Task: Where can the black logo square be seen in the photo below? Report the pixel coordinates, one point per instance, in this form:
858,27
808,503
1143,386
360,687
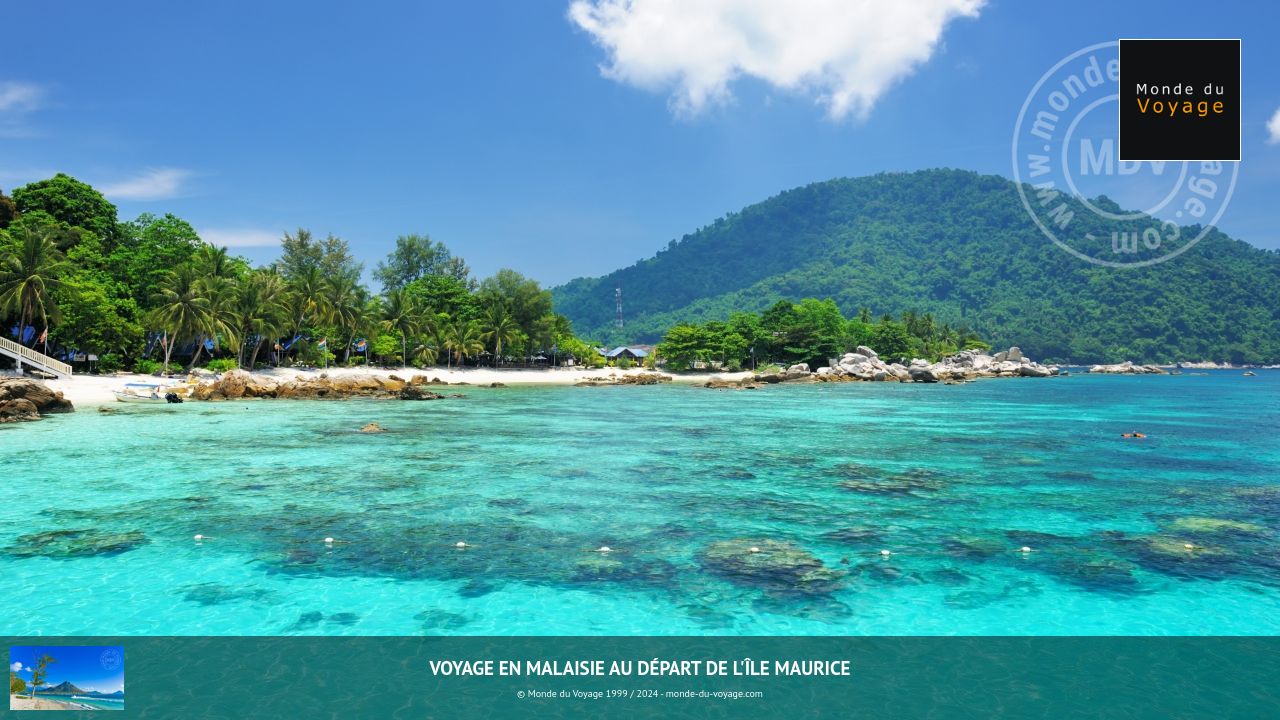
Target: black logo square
1180,100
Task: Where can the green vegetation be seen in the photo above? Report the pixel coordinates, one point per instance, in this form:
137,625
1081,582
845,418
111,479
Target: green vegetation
40,672
147,293
16,684
959,247
810,331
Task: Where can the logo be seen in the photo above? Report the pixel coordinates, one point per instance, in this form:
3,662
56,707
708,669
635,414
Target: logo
1078,191
111,658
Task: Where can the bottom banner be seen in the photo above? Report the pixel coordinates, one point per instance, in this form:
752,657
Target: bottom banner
480,677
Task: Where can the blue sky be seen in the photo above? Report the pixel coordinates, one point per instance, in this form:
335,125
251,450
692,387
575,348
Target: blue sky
82,665
559,141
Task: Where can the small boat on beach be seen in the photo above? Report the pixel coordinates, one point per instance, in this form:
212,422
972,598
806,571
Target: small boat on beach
146,393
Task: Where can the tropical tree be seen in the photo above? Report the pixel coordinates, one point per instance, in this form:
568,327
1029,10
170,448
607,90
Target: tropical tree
261,312
28,278
40,672
462,340
345,308
182,308
500,328
402,315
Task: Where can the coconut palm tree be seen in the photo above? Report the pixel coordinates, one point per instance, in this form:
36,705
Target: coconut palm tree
261,311
183,309
345,305
462,339
500,329
220,323
402,315
28,277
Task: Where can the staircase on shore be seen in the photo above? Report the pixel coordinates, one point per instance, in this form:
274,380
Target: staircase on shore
26,356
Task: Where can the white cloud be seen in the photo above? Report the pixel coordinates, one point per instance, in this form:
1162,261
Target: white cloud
154,184
19,96
15,667
1273,128
241,237
846,53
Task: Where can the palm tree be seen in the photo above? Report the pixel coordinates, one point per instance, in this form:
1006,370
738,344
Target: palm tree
28,277
402,315
220,324
183,309
501,329
309,297
260,311
345,305
462,338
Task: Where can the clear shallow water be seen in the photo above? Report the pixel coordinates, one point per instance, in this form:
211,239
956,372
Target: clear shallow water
97,512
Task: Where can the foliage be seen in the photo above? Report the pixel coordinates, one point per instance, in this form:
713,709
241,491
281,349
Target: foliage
110,363
959,247
145,366
417,257
222,365
810,331
16,684
146,292
70,202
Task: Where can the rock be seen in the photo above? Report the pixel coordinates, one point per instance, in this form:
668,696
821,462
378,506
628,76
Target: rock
22,399
1014,354
776,566
798,368
919,373
497,385
1128,368
868,352
18,410
1034,371
373,427
415,392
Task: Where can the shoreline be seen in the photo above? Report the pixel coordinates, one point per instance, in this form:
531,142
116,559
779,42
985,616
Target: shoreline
41,702
95,390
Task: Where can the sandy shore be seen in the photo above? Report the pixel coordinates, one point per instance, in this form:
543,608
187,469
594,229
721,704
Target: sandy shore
92,390
22,702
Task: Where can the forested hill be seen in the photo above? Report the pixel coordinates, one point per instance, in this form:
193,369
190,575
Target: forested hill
960,246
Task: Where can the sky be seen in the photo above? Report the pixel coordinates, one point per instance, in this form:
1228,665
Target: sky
560,138
85,666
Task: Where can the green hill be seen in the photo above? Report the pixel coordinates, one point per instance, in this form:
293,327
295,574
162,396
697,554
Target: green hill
960,246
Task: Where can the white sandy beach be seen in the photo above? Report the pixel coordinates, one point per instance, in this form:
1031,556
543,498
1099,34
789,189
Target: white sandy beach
22,702
92,390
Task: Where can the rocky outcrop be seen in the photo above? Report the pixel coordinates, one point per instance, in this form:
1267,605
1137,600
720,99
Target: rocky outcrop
645,378
864,365
23,400
1128,368
239,384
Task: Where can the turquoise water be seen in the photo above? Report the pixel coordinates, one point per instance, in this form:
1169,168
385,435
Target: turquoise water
98,512
98,703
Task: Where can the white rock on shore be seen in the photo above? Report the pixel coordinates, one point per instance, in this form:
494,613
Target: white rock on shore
864,365
1128,368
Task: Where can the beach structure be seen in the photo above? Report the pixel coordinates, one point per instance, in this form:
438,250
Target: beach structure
631,352
24,355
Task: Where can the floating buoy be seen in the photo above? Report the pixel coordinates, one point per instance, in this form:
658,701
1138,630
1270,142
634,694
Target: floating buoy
753,549
460,545
604,549
1024,549
885,553
198,538
328,541
1189,546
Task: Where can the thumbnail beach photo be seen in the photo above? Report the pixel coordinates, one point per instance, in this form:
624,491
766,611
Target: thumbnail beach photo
66,677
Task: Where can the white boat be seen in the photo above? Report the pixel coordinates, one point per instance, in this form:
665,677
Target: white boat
143,393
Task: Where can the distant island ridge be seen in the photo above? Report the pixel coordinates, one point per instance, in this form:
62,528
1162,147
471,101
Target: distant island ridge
959,246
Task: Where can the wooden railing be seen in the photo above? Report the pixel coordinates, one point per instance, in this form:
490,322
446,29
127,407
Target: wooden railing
39,360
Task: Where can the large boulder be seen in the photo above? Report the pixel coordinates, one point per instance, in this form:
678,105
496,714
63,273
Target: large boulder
922,373
798,368
22,399
864,350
